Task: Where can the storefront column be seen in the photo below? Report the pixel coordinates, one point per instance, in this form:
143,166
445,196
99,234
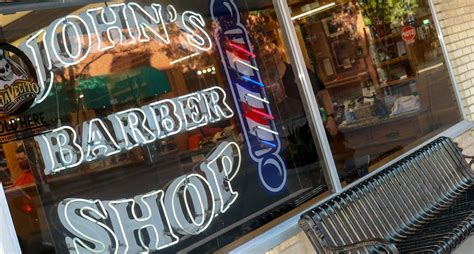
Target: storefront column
8,238
307,95
456,87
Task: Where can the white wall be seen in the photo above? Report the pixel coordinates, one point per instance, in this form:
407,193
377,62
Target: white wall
8,239
456,19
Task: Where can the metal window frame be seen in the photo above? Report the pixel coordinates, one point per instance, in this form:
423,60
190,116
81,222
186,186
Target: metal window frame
10,8
307,95
309,100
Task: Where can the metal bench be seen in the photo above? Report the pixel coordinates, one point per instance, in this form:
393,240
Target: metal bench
422,204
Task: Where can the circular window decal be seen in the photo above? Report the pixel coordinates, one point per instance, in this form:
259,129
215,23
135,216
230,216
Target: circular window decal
18,83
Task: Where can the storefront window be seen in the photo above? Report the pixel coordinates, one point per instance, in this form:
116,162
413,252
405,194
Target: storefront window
383,66
137,127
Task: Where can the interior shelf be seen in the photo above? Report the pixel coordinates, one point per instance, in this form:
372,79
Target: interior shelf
398,81
344,81
387,37
392,61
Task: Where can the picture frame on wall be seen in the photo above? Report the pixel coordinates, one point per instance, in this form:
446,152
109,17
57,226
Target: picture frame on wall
330,29
340,51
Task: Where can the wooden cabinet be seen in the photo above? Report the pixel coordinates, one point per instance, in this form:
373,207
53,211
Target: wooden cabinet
403,129
384,135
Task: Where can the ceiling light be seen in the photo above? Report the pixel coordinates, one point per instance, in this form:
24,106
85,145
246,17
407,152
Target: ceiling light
313,11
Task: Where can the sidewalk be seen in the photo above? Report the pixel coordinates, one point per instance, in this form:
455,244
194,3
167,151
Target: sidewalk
467,247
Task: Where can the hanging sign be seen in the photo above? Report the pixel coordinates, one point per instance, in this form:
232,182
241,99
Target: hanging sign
18,85
409,34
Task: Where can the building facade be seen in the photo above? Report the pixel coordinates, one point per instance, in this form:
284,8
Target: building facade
210,126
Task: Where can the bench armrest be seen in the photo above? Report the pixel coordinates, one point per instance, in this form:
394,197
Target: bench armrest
308,226
389,248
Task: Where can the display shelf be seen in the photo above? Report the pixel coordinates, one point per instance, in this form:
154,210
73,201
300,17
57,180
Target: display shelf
344,81
398,81
387,37
392,61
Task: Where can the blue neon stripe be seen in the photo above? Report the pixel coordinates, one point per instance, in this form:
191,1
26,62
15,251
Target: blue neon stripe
268,143
253,81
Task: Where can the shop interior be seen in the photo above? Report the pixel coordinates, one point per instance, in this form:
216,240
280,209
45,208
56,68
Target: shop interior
385,70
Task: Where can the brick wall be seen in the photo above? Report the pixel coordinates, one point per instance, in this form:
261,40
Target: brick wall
457,24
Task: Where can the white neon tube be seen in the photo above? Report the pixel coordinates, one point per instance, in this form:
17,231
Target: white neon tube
313,11
267,130
257,98
248,65
184,58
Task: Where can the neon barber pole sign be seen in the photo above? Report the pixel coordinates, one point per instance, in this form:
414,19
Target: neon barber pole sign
114,226
249,94
69,40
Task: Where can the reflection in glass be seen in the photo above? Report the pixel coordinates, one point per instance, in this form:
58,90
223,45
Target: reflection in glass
382,63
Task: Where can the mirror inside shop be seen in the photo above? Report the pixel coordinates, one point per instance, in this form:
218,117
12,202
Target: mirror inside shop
179,126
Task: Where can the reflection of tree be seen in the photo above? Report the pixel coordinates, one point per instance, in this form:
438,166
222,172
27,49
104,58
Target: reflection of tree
380,13
346,19
69,77
179,48
259,24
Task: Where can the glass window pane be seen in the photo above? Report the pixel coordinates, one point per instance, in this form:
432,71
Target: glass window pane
174,127
383,66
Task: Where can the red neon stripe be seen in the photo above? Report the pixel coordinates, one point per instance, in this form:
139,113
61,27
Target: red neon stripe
240,47
236,54
262,114
250,113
